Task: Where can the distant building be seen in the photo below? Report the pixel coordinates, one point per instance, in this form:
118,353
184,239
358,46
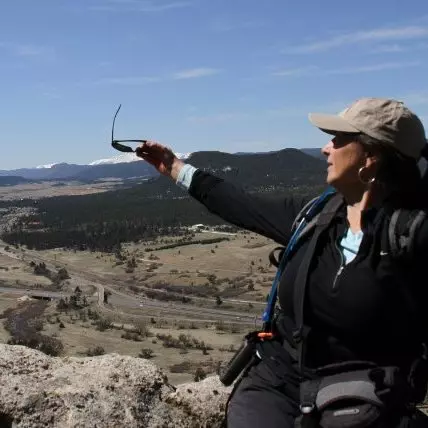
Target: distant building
198,227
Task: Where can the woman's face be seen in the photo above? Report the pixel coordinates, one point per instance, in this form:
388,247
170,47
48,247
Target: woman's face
345,157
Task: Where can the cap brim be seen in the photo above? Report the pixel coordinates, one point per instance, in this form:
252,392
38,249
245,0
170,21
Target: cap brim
331,124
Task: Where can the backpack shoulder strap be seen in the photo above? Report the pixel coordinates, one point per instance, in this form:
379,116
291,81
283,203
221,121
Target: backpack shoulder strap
324,215
307,217
320,222
402,229
303,212
306,214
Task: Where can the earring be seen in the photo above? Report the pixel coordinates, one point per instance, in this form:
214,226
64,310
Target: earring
366,182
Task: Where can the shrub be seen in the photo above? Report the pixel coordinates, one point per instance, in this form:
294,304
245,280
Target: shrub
45,344
93,352
146,353
199,374
184,341
131,336
50,346
62,274
142,329
103,324
37,324
93,315
183,367
24,323
41,269
61,305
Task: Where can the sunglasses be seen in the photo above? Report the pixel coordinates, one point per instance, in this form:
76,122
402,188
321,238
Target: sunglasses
117,143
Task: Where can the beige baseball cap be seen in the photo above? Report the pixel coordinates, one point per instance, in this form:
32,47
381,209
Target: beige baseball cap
388,121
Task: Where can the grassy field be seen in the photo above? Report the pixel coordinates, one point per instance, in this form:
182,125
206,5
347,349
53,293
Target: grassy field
15,272
180,361
236,269
50,189
243,258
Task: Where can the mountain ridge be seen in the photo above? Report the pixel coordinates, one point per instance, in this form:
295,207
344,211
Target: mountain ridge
129,166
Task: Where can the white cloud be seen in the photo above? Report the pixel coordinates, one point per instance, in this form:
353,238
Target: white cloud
194,73
396,48
296,72
316,71
163,7
360,37
21,50
388,48
139,6
146,80
127,81
372,68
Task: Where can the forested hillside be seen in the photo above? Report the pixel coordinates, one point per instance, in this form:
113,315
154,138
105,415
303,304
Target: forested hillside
103,221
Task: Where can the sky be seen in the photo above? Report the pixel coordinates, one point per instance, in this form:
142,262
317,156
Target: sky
229,75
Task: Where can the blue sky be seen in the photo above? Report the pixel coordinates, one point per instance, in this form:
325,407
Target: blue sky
231,75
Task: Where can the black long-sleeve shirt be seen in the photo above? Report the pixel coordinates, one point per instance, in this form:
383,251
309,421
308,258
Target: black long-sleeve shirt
356,312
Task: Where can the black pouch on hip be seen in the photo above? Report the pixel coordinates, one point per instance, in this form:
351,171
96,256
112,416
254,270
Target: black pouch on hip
351,395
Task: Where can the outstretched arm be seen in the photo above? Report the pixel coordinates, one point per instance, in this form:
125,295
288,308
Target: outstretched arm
269,216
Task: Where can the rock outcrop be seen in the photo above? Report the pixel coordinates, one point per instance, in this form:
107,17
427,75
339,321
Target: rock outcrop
105,391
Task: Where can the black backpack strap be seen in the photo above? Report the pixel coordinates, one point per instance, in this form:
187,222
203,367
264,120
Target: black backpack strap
302,215
309,211
323,220
402,229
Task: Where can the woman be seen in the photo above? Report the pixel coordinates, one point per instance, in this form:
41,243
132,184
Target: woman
354,303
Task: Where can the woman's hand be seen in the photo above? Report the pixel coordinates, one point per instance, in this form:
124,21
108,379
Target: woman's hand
161,157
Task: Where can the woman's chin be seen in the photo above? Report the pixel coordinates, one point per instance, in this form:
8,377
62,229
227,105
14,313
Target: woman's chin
330,179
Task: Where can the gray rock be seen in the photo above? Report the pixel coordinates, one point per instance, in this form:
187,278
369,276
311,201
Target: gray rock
105,391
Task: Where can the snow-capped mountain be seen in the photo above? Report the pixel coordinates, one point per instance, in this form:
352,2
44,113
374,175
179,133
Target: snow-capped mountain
50,165
128,157
123,158
121,166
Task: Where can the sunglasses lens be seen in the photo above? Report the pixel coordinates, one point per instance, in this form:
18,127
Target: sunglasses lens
122,148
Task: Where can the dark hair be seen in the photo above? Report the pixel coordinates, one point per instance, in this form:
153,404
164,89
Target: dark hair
398,173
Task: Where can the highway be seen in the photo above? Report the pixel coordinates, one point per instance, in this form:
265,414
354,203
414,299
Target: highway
34,292
119,301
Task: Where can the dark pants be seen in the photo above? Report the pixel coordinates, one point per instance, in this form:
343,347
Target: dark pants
268,395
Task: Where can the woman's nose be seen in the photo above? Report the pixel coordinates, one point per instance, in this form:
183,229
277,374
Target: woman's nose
326,149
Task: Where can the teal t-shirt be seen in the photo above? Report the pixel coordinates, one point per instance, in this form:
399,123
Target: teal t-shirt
350,244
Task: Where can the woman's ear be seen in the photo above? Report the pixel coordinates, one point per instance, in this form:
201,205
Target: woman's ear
372,162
